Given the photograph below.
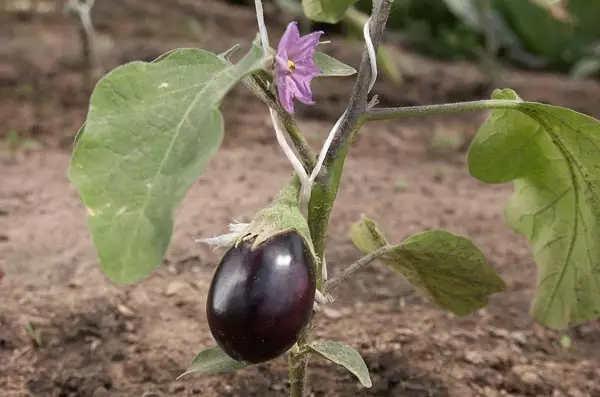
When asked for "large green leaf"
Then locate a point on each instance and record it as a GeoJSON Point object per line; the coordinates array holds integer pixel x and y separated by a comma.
{"type": "Point", "coordinates": [150, 131]}
{"type": "Point", "coordinates": [449, 270]}
{"type": "Point", "coordinates": [213, 360]}
{"type": "Point", "coordinates": [553, 156]}
{"type": "Point", "coordinates": [345, 356]}
{"type": "Point", "coordinates": [330, 11]}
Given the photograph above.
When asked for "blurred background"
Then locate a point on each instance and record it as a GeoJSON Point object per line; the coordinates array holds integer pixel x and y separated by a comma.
{"type": "Point", "coordinates": [66, 331]}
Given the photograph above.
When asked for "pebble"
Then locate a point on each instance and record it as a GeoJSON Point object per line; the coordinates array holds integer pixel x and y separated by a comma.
{"type": "Point", "coordinates": [126, 311]}
{"type": "Point", "coordinates": [474, 357]}
{"type": "Point", "coordinates": [175, 288]}
{"type": "Point", "coordinates": [101, 392]}
{"type": "Point", "coordinates": [527, 374]}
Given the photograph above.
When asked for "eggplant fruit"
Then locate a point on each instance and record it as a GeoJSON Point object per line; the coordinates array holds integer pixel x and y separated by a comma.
{"type": "Point", "coordinates": [260, 299]}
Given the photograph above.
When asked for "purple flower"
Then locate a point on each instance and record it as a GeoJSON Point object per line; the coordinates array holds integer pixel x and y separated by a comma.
{"type": "Point", "coordinates": [295, 67]}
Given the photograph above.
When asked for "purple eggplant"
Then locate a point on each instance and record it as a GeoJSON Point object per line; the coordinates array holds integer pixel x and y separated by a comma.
{"type": "Point", "coordinates": [260, 299]}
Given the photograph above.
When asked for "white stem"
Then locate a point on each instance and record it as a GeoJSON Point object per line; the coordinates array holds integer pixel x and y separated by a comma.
{"type": "Point", "coordinates": [287, 149]}
{"type": "Point", "coordinates": [306, 189]}
{"type": "Point", "coordinates": [371, 51]}
{"type": "Point", "coordinates": [262, 27]}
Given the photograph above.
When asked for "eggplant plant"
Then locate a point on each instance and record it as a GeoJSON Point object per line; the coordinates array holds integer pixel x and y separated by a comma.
{"type": "Point", "coordinates": [152, 128]}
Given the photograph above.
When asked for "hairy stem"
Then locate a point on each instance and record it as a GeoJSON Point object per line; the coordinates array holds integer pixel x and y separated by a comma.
{"type": "Point", "coordinates": [298, 363]}
{"type": "Point", "coordinates": [326, 184]}
{"type": "Point", "coordinates": [433, 110]}
{"type": "Point", "coordinates": [353, 268]}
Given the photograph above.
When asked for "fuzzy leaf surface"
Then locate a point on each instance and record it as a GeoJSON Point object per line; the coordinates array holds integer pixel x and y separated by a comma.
{"type": "Point", "coordinates": [150, 131]}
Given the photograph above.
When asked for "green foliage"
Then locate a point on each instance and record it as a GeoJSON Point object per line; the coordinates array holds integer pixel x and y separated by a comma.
{"type": "Point", "coordinates": [551, 154]}
{"type": "Point", "coordinates": [213, 360]}
{"type": "Point", "coordinates": [431, 27]}
{"type": "Point", "coordinates": [330, 11]}
{"type": "Point", "coordinates": [542, 33]}
{"type": "Point", "coordinates": [449, 270]}
{"type": "Point", "coordinates": [150, 132]}
{"type": "Point", "coordinates": [345, 356]}
{"type": "Point", "coordinates": [331, 67]}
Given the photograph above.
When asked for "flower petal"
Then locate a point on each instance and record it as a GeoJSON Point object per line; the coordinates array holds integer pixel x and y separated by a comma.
{"type": "Point", "coordinates": [286, 94]}
{"type": "Point", "coordinates": [289, 38]}
{"type": "Point", "coordinates": [301, 89]}
{"type": "Point", "coordinates": [304, 48]}
{"type": "Point", "coordinates": [281, 64]}
{"type": "Point", "coordinates": [307, 69]}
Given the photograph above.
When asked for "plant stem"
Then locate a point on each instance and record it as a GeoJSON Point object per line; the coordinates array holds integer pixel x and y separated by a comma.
{"type": "Point", "coordinates": [353, 268]}
{"type": "Point", "coordinates": [433, 110]}
{"type": "Point", "coordinates": [298, 363]}
{"type": "Point", "coordinates": [86, 37]}
{"type": "Point", "coordinates": [326, 184]}
{"type": "Point", "coordinates": [307, 156]}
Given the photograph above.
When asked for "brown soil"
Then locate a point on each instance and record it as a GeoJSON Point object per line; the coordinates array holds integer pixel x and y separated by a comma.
{"type": "Point", "coordinates": [66, 331]}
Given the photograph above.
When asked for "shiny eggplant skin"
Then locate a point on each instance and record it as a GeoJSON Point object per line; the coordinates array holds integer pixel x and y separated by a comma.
{"type": "Point", "coordinates": [259, 300]}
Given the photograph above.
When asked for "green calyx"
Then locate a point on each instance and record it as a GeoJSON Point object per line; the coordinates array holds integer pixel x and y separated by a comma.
{"type": "Point", "coordinates": [282, 215]}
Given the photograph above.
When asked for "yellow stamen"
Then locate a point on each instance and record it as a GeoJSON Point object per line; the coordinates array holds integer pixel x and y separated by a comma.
{"type": "Point", "coordinates": [291, 65]}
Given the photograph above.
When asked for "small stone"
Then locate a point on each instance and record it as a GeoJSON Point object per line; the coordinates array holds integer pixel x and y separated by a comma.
{"type": "Point", "coordinates": [172, 269]}
{"type": "Point", "coordinates": [176, 388]}
{"type": "Point", "coordinates": [175, 287]}
{"type": "Point", "coordinates": [331, 313]}
{"type": "Point", "coordinates": [126, 311]}
{"type": "Point", "coordinates": [574, 392]}
{"type": "Point", "coordinates": [101, 392]}
{"type": "Point", "coordinates": [474, 357]}
{"type": "Point", "coordinates": [489, 392]}
{"type": "Point", "coordinates": [129, 326]}
{"type": "Point", "coordinates": [527, 374]}
{"type": "Point", "coordinates": [518, 337]}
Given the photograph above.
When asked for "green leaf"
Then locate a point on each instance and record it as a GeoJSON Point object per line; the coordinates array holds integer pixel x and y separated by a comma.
{"type": "Point", "coordinates": [331, 67]}
{"type": "Point", "coordinates": [345, 356]}
{"type": "Point", "coordinates": [213, 360]}
{"type": "Point", "coordinates": [449, 270]}
{"type": "Point", "coordinates": [150, 132]}
{"type": "Point", "coordinates": [329, 11]}
{"type": "Point", "coordinates": [553, 156]}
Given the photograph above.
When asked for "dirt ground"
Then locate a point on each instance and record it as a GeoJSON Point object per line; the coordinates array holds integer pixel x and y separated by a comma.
{"type": "Point", "coordinates": [65, 330]}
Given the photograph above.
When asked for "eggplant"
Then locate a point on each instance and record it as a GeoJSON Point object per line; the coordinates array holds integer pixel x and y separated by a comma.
{"type": "Point", "coordinates": [260, 299]}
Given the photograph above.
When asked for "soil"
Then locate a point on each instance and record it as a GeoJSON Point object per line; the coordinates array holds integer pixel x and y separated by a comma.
{"type": "Point", "coordinates": [65, 330]}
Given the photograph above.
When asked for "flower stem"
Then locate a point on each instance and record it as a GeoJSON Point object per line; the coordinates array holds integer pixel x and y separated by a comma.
{"type": "Point", "coordinates": [433, 110]}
